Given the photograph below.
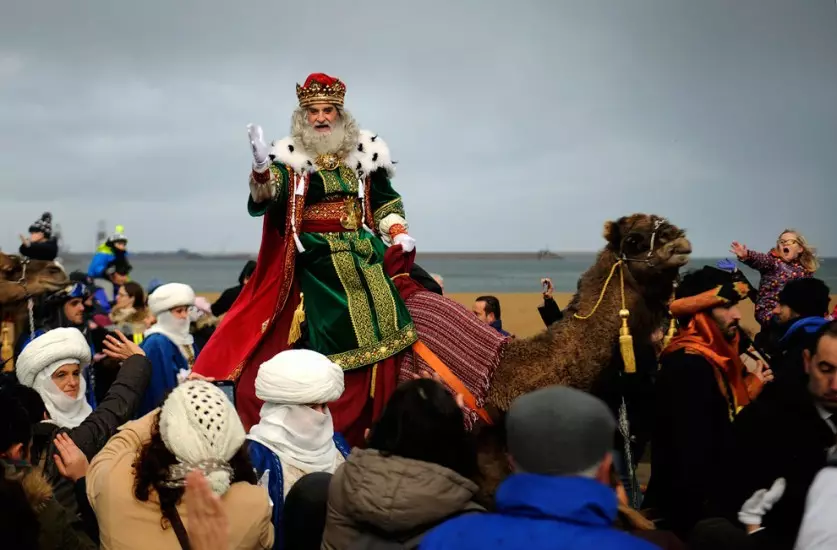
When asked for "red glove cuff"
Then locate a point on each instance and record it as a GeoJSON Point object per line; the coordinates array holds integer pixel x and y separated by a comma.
{"type": "Point", "coordinates": [396, 229]}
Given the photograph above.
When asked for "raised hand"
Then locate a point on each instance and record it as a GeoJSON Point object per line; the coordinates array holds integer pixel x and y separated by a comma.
{"type": "Point", "coordinates": [763, 372]}
{"type": "Point", "coordinates": [209, 526]}
{"type": "Point", "coordinates": [120, 348]}
{"type": "Point", "coordinates": [739, 250]}
{"type": "Point", "coordinates": [408, 244]}
{"type": "Point", "coordinates": [753, 510]}
{"type": "Point", "coordinates": [257, 144]}
{"type": "Point", "coordinates": [70, 461]}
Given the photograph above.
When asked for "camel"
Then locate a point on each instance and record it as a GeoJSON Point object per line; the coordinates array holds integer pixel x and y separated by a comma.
{"type": "Point", "coordinates": [575, 351]}
{"type": "Point", "coordinates": [21, 279]}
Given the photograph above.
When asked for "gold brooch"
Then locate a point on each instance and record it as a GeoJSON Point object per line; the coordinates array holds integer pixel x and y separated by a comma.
{"type": "Point", "coordinates": [327, 161]}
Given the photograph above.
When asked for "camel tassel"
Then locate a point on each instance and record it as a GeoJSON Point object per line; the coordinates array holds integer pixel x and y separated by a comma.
{"type": "Point", "coordinates": [672, 330]}
{"type": "Point", "coordinates": [626, 343]}
{"type": "Point", "coordinates": [296, 325]}
{"type": "Point", "coordinates": [7, 349]}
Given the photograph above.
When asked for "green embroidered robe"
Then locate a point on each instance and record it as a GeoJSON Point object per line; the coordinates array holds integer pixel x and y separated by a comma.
{"type": "Point", "coordinates": [354, 314]}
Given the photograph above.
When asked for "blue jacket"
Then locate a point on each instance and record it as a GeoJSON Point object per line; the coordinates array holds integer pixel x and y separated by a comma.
{"type": "Point", "coordinates": [498, 326]}
{"type": "Point", "coordinates": [166, 361]}
{"type": "Point", "coordinates": [539, 512]}
{"type": "Point", "coordinates": [102, 259]}
{"type": "Point", "coordinates": [264, 459]}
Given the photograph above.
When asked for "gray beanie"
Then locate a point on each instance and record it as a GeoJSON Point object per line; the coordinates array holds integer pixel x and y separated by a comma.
{"type": "Point", "coordinates": [558, 431]}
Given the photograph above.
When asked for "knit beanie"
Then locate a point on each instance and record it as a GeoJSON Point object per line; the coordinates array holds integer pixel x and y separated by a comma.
{"type": "Point", "coordinates": [558, 431]}
{"type": "Point", "coordinates": [807, 297]}
{"type": "Point", "coordinates": [201, 428]}
{"type": "Point", "coordinates": [43, 225]}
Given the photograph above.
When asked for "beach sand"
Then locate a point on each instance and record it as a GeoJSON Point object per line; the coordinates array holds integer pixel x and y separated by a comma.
{"type": "Point", "coordinates": [520, 311]}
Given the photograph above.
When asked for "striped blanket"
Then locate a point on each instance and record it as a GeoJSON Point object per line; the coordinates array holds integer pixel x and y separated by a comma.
{"type": "Point", "coordinates": [470, 349]}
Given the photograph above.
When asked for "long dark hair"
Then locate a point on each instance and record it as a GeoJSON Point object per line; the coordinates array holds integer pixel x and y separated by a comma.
{"type": "Point", "coordinates": [152, 467]}
{"type": "Point", "coordinates": [422, 421]}
{"type": "Point", "coordinates": [137, 294]}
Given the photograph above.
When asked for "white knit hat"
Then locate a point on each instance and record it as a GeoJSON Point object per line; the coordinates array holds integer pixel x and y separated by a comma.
{"type": "Point", "coordinates": [201, 427]}
{"type": "Point", "coordinates": [171, 295]}
{"type": "Point", "coordinates": [57, 347]}
{"type": "Point", "coordinates": [299, 377]}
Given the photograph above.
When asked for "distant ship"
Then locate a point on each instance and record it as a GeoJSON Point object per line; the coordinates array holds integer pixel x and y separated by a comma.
{"type": "Point", "coordinates": [547, 254]}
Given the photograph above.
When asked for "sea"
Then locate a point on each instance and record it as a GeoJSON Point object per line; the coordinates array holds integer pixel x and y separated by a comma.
{"type": "Point", "coordinates": [485, 273]}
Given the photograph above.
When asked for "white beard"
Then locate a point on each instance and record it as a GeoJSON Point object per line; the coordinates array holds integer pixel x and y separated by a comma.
{"type": "Point", "coordinates": [320, 143]}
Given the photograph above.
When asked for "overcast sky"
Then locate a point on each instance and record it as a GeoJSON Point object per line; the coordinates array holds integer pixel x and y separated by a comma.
{"type": "Point", "coordinates": [517, 125]}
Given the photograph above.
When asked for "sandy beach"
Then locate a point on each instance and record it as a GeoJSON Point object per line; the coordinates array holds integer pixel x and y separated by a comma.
{"type": "Point", "coordinates": [520, 311]}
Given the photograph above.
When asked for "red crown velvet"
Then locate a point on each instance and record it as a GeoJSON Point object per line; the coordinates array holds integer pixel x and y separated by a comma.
{"type": "Point", "coordinates": [321, 88]}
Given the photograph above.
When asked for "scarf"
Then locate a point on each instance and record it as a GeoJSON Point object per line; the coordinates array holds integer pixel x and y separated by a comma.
{"type": "Point", "coordinates": [298, 435]}
{"type": "Point", "coordinates": [176, 330]}
{"type": "Point", "coordinates": [64, 411]}
{"type": "Point", "coordinates": [703, 337]}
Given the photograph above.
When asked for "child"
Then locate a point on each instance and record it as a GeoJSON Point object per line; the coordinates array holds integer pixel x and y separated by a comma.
{"type": "Point", "coordinates": [112, 251]}
{"type": "Point", "coordinates": [792, 259]}
{"type": "Point", "coordinates": [40, 245]}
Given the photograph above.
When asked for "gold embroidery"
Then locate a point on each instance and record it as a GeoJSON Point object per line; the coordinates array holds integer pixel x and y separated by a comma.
{"type": "Point", "coordinates": [277, 180]}
{"type": "Point", "coordinates": [331, 182]}
{"type": "Point", "coordinates": [358, 303]}
{"type": "Point", "coordinates": [369, 355]}
{"type": "Point", "coordinates": [327, 161]}
{"type": "Point", "coordinates": [346, 212]}
{"type": "Point", "coordinates": [349, 179]}
{"type": "Point", "coordinates": [394, 206]}
{"type": "Point", "coordinates": [379, 286]}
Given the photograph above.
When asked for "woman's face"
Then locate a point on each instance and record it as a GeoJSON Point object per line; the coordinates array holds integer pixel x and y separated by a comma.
{"type": "Point", "coordinates": [180, 312]}
{"type": "Point", "coordinates": [123, 299]}
{"type": "Point", "coordinates": [68, 379]}
{"type": "Point", "coordinates": [789, 247]}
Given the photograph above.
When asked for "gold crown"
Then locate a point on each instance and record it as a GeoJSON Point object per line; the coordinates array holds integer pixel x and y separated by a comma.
{"type": "Point", "coordinates": [320, 88]}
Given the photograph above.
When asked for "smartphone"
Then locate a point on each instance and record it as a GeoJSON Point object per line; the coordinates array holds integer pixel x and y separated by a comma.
{"type": "Point", "coordinates": [228, 387]}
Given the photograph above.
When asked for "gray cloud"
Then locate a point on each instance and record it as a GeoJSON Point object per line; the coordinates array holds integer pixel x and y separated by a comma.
{"type": "Point", "coordinates": [517, 125]}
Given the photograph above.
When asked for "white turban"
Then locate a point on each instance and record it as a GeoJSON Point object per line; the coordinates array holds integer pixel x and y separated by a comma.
{"type": "Point", "coordinates": [38, 362]}
{"type": "Point", "coordinates": [297, 434]}
{"type": "Point", "coordinates": [171, 295]}
{"type": "Point", "coordinates": [198, 424]}
{"type": "Point", "coordinates": [299, 377]}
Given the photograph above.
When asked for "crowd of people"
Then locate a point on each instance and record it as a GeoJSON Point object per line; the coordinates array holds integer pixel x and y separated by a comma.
{"type": "Point", "coordinates": [106, 431]}
{"type": "Point", "coordinates": [115, 433]}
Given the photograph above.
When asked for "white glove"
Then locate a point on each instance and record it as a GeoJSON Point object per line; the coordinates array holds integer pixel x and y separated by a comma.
{"type": "Point", "coordinates": [257, 144]}
{"type": "Point", "coordinates": [760, 503]}
{"type": "Point", "coordinates": [407, 242]}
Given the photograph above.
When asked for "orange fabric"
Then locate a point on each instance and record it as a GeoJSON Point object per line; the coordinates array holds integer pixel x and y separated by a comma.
{"type": "Point", "coordinates": [703, 337]}
{"type": "Point", "coordinates": [450, 379]}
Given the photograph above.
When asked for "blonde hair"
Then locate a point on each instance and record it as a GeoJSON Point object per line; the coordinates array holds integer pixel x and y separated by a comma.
{"type": "Point", "coordinates": [808, 258]}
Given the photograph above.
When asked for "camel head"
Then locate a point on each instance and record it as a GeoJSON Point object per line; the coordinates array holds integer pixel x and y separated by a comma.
{"type": "Point", "coordinates": [652, 248]}
{"type": "Point", "coordinates": [35, 277]}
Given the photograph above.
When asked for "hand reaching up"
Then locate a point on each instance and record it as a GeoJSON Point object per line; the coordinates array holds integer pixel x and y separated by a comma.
{"type": "Point", "coordinates": [70, 461]}
{"type": "Point", "coordinates": [120, 348]}
{"type": "Point", "coordinates": [257, 144]}
{"type": "Point", "coordinates": [459, 398]}
{"type": "Point", "coordinates": [209, 526]}
{"type": "Point", "coordinates": [739, 250]}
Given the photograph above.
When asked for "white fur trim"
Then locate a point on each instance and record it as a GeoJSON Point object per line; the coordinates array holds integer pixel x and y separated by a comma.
{"type": "Point", "coordinates": [171, 295]}
{"type": "Point", "coordinates": [370, 154]}
{"type": "Point", "coordinates": [60, 344]}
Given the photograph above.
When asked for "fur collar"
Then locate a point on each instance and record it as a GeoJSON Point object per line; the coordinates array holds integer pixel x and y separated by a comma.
{"type": "Point", "coordinates": [371, 154]}
{"type": "Point", "coordinates": [37, 489]}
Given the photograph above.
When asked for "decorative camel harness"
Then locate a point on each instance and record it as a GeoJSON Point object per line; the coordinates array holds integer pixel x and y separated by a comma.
{"type": "Point", "coordinates": [7, 332]}
{"type": "Point", "coordinates": [626, 345]}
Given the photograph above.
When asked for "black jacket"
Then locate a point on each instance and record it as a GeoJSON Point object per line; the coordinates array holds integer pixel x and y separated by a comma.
{"type": "Point", "coordinates": [119, 406]}
{"type": "Point", "coordinates": [44, 250]}
{"type": "Point", "coordinates": [780, 434]}
{"type": "Point", "coordinates": [550, 312]}
{"type": "Point", "coordinates": [691, 441]}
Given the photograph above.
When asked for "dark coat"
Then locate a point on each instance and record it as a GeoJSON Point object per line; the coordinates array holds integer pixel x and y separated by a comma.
{"type": "Point", "coordinates": [550, 312]}
{"type": "Point", "coordinates": [781, 434]}
{"type": "Point", "coordinates": [45, 250]}
{"type": "Point", "coordinates": [691, 441]}
{"type": "Point", "coordinates": [119, 406]}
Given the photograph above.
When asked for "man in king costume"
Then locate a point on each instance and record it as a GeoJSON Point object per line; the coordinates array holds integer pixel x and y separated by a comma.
{"type": "Point", "coordinates": [330, 213]}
